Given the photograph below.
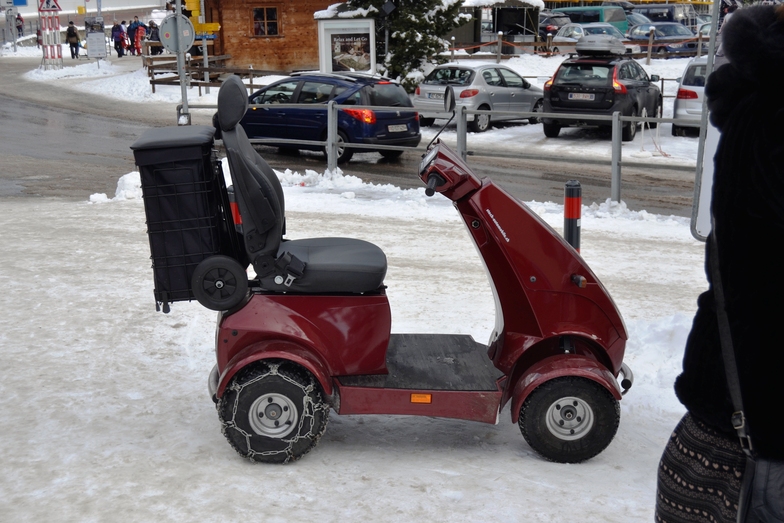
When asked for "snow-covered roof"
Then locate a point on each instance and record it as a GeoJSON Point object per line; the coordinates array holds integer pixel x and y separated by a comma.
{"type": "Point", "coordinates": [339, 10]}
{"type": "Point", "coordinates": [504, 3]}
{"type": "Point", "coordinates": [335, 11]}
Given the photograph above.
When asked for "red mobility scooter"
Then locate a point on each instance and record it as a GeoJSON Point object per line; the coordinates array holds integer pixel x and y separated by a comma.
{"type": "Point", "coordinates": [311, 332]}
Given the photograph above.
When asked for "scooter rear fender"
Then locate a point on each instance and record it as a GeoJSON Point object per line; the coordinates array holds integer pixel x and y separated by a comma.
{"type": "Point", "coordinates": [276, 349]}
{"type": "Point", "coordinates": [559, 366]}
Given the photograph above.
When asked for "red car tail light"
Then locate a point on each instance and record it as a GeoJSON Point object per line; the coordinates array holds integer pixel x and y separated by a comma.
{"type": "Point", "coordinates": [618, 87]}
{"type": "Point", "coordinates": [685, 94]}
{"type": "Point", "coordinates": [468, 93]}
{"type": "Point", "coordinates": [548, 84]}
{"type": "Point", "coordinates": [363, 115]}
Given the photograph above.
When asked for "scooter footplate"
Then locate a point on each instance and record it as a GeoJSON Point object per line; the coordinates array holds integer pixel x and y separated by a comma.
{"type": "Point", "coordinates": [448, 362]}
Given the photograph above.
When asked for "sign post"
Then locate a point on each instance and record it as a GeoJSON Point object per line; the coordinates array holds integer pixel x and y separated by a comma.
{"type": "Point", "coordinates": [10, 17]}
{"type": "Point", "coordinates": [48, 13]}
{"type": "Point", "coordinates": [177, 36]}
{"type": "Point", "coordinates": [96, 39]}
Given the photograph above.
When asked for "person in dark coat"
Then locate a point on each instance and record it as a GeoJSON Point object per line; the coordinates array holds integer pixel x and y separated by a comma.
{"type": "Point", "coordinates": [72, 37]}
{"type": "Point", "coordinates": [118, 37]}
{"type": "Point", "coordinates": [702, 466]}
{"type": "Point", "coordinates": [154, 36]}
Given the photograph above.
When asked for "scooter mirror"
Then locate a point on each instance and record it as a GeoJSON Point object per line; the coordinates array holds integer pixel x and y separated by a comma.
{"type": "Point", "coordinates": [449, 99]}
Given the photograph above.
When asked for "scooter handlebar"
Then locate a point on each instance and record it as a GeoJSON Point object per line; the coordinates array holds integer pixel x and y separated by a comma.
{"type": "Point", "coordinates": [433, 181]}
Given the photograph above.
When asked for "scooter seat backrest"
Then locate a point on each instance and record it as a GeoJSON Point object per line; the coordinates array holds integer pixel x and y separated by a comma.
{"type": "Point", "coordinates": [257, 189]}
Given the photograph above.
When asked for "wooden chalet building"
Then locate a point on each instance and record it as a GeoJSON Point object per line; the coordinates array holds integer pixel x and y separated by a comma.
{"type": "Point", "coordinates": [270, 35]}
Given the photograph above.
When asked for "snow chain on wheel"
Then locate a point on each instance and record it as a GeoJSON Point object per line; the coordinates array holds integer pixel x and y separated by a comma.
{"type": "Point", "coordinates": [569, 419]}
{"type": "Point", "coordinates": [273, 412]}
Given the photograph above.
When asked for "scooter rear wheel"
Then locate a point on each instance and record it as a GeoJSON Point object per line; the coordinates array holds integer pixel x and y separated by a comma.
{"type": "Point", "coordinates": [273, 412]}
{"type": "Point", "coordinates": [570, 419]}
{"type": "Point", "coordinates": [219, 283]}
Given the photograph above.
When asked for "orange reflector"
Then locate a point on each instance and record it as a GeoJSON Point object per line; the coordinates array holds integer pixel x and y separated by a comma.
{"type": "Point", "coordinates": [421, 398]}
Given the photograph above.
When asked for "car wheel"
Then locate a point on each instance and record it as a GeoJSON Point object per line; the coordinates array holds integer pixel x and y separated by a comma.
{"type": "Point", "coordinates": [569, 419]}
{"type": "Point", "coordinates": [538, 108]}
{"type": "Point", "coordinates": [219, 283]}
{"type": "Point", "coordinates": [391, 155]}
{"type": "Point", "coordinates": [273, 412]}
{"type": "Point", "coordinates": [662, 52]}
{"type": "Point", "coordinates": [556, 50]}
{"type": "Point", "coordinates": [344, 154]}
{"type": "Point", "coordinates": [481, 122]}
{"type": "Point", "coordinates": [426, 122]}
{"type": "Point", "coordinates": [551, 130]}
{"type": "Point", "coordinates": [629, 130]}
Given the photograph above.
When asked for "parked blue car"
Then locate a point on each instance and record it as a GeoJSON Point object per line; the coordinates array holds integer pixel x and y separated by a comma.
{"type": "Point", "coordinates": [361, 125]}
{"type": "Point", "coordinates": [668, 37]}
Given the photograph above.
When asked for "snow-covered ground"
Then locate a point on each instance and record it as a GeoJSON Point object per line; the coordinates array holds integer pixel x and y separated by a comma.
{"type": "Point", "coordinates": [104, 405]}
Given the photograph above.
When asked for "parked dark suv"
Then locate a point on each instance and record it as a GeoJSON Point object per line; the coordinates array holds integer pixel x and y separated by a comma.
{"type": "Point", "coordinates": [599, 85]}
{"type": "Point", "coordinates": [370, 126]}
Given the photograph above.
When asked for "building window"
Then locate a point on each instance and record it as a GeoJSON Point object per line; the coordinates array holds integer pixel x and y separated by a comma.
{"type": "Point", "coordinates": [265, 21]}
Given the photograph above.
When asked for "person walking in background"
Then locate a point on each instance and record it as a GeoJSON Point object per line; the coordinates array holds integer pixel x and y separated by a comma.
{"type": "Point", "coordinates": [132, 33]}
{"type": "Point", "coordinates": [118, 37]}
{"type": "Point", "coordinates": [154, 37]}
{"type": "Point", "coordinates": [72, 37]}
{"type": "Point", "coordinates": [19, 25]}
{"type": "Point", "coordinates": [703, 465]}
{"type": "Point", "coordinates": [138, 36]}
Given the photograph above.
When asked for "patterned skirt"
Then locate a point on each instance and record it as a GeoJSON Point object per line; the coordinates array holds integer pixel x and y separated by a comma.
{"type": "Point", "coordinates": [700, 475]}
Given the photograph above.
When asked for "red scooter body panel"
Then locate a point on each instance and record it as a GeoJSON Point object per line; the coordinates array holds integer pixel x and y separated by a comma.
{"type": "Point", "coordinates": [471, 405]}
{"type": "Point", "coordinates": [531, 269]}
{"type": "Point", "coordinates": [348, 334]}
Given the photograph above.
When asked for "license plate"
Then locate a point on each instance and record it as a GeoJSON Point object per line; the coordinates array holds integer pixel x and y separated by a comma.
{"type": "Point", "coordinates": [435, 96]}
{"type": "Point", "coordinates": [397, 128]}
{"type": "Point", "coordinates": [581, 96]}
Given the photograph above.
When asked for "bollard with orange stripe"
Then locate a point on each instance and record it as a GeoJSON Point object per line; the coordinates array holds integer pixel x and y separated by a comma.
{"type": "Point", "coordinates": [573, 203]}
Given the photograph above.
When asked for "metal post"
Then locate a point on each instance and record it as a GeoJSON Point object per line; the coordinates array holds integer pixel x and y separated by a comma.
{"type": "Point", "coordinates": [573, 203]}
{"type": "Point", "coordinates": [462, 128]}
{"type": "Point", "coordinates": [332, 136]}
{"type": "Point", "coordinates": [699, 44]}
{"type": "Point", "coordinates": [615, 182]}
{"type": "Point", "coordinates": [453, 49]}
{"type": "Point", "coordinates": [181, 64]}
{"type": "Point", "coordinates": [204, 49]}
{"type": "Point", "coordinates": [650, 47]}
{"type": "Point", "coordinates": [498, 51]}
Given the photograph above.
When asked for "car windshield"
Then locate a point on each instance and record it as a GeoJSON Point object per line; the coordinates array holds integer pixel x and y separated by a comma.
{"type": "Point", "coordinates": [603, 30]}
{"type": "Point", "coordinates": [595, 75]}
{"type": "Point", "coordinates": [387, 94]}
{"type": "Point", "coordinates": [451, 76]}
{"type": "Point", "coordinates": [672, 30]}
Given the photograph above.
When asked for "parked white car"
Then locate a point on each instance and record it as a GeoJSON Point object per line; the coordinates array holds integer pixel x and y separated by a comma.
{"type": "Point", "coordinates": [491, 87]}
{"type": "Point", "coordinates": [687, 109]}
{"type": "Point", "coordinates": [565, 40]}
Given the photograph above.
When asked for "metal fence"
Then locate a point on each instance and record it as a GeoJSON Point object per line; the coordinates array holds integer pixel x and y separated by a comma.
{"type": "Point", "coordinates": [331, 144]}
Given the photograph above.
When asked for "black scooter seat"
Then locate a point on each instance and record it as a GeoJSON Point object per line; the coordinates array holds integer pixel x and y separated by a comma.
{"type": "Point", "coordinates": [333, 265]}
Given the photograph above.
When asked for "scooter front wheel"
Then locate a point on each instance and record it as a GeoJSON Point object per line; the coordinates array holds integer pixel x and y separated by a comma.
{"type": "Point", "coordinates": [570, 419]}
{"type": "Point", "coordinates": [273, 412]}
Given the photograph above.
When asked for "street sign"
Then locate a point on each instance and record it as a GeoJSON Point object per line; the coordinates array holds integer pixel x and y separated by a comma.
{"type": "Point", "coordinates": [177, 34]}
{"type": "Point", "coordinates": [49, 5]}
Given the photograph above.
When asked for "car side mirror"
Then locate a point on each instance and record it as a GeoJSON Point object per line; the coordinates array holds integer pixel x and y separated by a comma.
{"type": "Point", "coordinates": [655, 78]}
{"type": "Point", "coordinates": [449, 99]}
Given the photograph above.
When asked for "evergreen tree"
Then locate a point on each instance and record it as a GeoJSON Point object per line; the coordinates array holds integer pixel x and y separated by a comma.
{"type": "Point", "coordinates": [416, 31]}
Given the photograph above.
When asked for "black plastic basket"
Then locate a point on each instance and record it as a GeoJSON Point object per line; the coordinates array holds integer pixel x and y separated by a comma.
{"type": "Point", "coordinates": [186, 205]}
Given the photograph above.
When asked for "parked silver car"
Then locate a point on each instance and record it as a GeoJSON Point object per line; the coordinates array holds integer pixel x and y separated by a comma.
{"type": "Point", "coordinates": [566, 38]}
{"type": "Point", "coordinates": [687, 109]}
{"type": "Point", "coordinates": [489, 87]}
